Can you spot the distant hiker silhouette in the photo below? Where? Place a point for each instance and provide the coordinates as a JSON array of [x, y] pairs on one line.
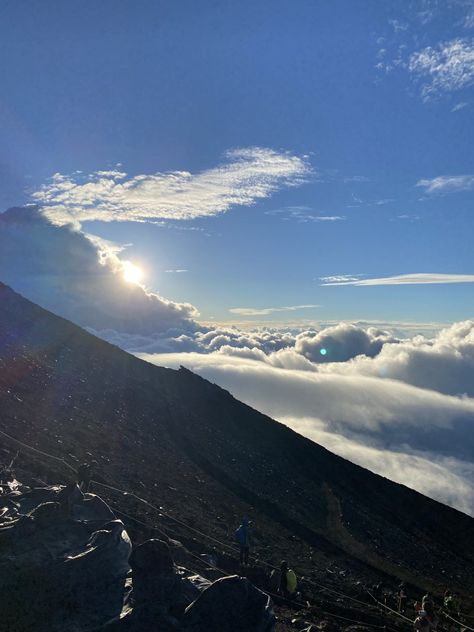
[[402, 598], [451, 604], [84, 476], [242, 536]]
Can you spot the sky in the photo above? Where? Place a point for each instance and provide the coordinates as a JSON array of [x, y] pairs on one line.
[[275, 194]]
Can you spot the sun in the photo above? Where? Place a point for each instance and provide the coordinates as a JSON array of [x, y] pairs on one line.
[[131, 272]]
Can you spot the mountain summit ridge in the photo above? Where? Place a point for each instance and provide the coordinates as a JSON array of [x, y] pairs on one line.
[[189, 445]]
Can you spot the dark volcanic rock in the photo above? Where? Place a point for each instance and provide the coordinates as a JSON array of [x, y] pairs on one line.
[[61, 574], [232, 604], [165, 597], [58, 573]]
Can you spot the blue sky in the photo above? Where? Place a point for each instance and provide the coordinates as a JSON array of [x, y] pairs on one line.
[[373, 98]]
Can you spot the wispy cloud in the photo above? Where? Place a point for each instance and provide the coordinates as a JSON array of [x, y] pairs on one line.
[[398, 26], [446, 68], [266, 311], [303, 215], [405, 279], [407, 217], [339, 278], [447, 183], [347, 179], [176, 271], [246, 176], [459, 106], [358, 202]]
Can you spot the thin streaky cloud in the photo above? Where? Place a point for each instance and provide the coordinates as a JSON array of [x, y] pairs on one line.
[[303, 215], [348, 179], [442, 184], [459, 106], [177, 271], [246, 175], [409, 279], [266, 311], [339, 278]]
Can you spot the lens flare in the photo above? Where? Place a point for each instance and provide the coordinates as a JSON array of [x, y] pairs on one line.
[[323, 351]]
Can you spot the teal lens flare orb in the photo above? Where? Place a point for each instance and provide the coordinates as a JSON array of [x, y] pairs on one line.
[[323, 351]]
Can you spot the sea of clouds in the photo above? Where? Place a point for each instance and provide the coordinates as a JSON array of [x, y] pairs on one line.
[[400, 404]]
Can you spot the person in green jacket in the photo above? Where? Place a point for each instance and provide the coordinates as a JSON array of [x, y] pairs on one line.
[[288, 581]]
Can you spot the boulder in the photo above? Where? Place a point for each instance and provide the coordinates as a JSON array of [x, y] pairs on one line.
[[232, 604], [58, 572]]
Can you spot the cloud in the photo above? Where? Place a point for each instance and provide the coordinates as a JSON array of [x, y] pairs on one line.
[[347, 179], [444, 363], [446, 68], [404, 279], [248, 175], [448, 184], [398, 26], [303, 215], [459, 106], [176, 271], [408, 217], [80, 277], [341, 343], [339, 278], [265, 311]]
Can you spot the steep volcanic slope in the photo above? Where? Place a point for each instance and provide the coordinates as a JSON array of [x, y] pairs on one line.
[[188, 445]]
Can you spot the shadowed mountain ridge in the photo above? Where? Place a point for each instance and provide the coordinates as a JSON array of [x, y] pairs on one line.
[[188, 445]]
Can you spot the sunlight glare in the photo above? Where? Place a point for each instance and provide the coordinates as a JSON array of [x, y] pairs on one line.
[[131, 272]]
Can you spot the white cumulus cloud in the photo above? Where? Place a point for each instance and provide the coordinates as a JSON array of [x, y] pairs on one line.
[[81, 277]]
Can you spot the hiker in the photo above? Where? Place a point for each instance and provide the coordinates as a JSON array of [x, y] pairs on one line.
[[424, 623], [427, 615], [448, 602], [68, 496], [451, 604], [84, 475], [6, 475], [243, 538], [427, 597], [402, 598], [288, 582], [377, 591]]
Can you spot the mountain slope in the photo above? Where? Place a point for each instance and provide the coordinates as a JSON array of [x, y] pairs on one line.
[[188, 445]]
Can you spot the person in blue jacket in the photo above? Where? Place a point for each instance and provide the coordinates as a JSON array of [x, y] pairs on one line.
[[243, 538]]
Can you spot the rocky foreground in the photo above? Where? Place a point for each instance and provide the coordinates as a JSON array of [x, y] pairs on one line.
[[68, 564]]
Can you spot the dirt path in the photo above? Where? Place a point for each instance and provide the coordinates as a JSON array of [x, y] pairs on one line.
[[342, 536]]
